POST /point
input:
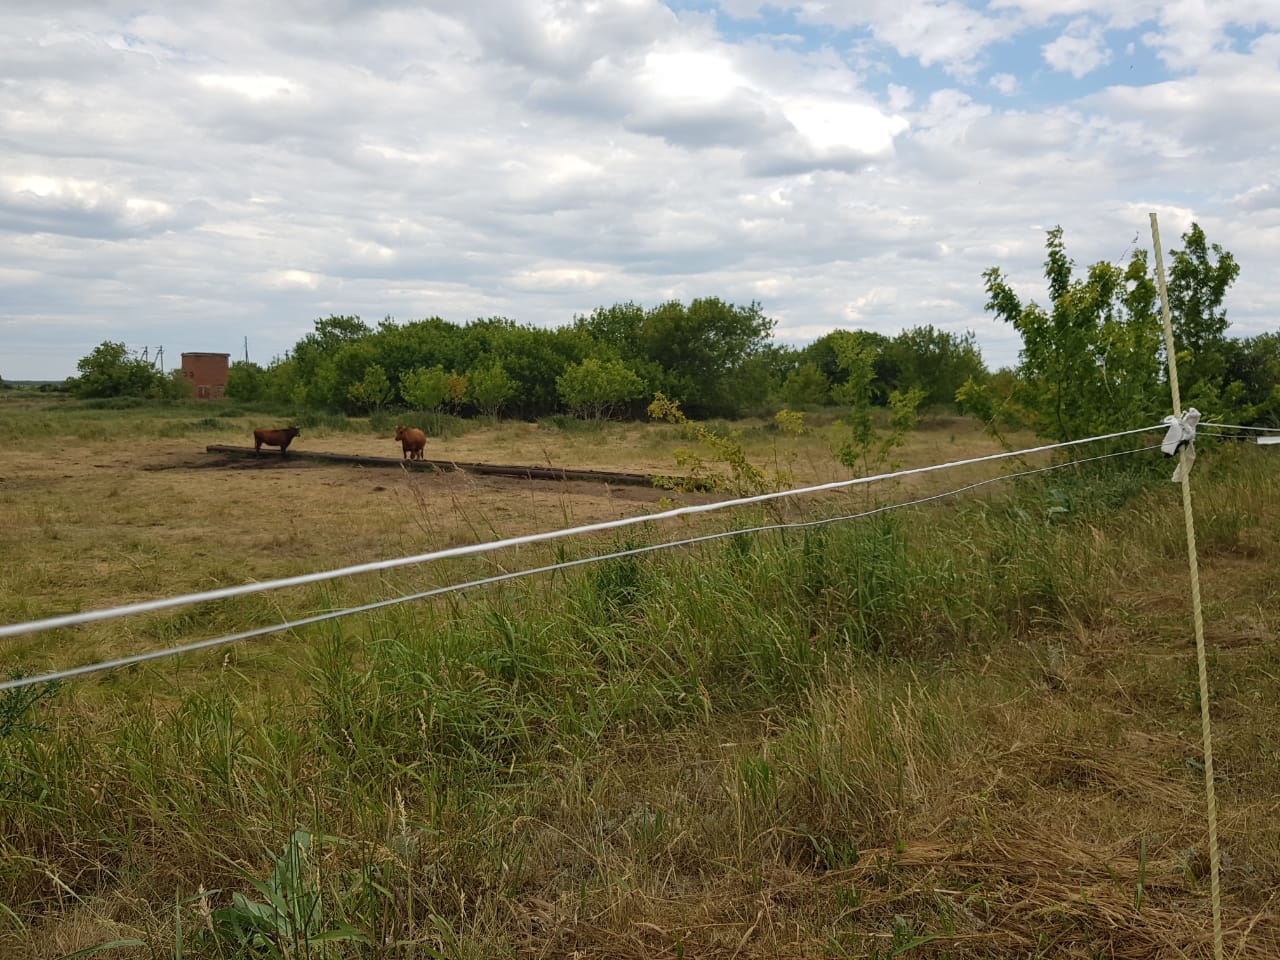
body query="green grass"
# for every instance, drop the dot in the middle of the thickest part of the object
(911, 733)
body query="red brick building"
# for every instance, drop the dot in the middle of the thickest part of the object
(207, 373)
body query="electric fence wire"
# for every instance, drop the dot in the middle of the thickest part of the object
(1239, 426)
(90, 616)
(60, 675)
(1225, 435)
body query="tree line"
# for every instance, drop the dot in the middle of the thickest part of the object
(1091, 359)
(717, 359)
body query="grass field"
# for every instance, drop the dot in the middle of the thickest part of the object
(966, 729)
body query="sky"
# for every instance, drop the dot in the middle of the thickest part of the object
(189, 176)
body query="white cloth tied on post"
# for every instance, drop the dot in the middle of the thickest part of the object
(1181, 433)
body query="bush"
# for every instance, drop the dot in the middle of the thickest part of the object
(806, 386)
(489, 388)
(246, 381)
(112, 371)
(594, 390)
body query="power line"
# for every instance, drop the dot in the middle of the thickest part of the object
(74, 619)
(518, 574)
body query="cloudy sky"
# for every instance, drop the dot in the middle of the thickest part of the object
(189, 175)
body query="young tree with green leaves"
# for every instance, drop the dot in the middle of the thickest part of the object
(594, 389)
(867, 449)
(373, 391)
(490, 387)
(428, 389)
(1091, 362)
(806, 386)
(1199, 276)
(425, 388)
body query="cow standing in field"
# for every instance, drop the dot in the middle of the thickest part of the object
(274, 438)
(411, 442)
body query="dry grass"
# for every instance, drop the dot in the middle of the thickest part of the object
(109, 510)
(656, 763)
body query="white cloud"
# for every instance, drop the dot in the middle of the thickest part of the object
(1005, 83)
(1189, 31)
(1078, 50)
(40, 203)
(1264, 196)
(1116, 16)
(858, 309)
(190, 174)
(950, 34)
(252, 87)
(285, 279)
(563, 278)
(832, 127)
(690, 76)
(945, 33)
(899, 98)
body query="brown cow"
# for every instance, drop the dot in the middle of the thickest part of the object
(411, 442)
(274, 438)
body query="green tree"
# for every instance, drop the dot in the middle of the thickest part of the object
(1253, 378)
(246, 381)
(700, 354)
(327, 367)
(702, 348)
(934, 361)
(283, 383)
(1089, 363)
(806, 386)
(825, 354)
(112, 371)
(856, 353)
(373, 391)
(425, 388)
(594, 389)
(1198, 278)
(534, 357)
(329, 335)
(618, 327)
(866, 448)
(857, 362)
(400, 348)
(429, 389)
(490, 387)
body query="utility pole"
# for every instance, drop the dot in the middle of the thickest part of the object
(246, 349)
